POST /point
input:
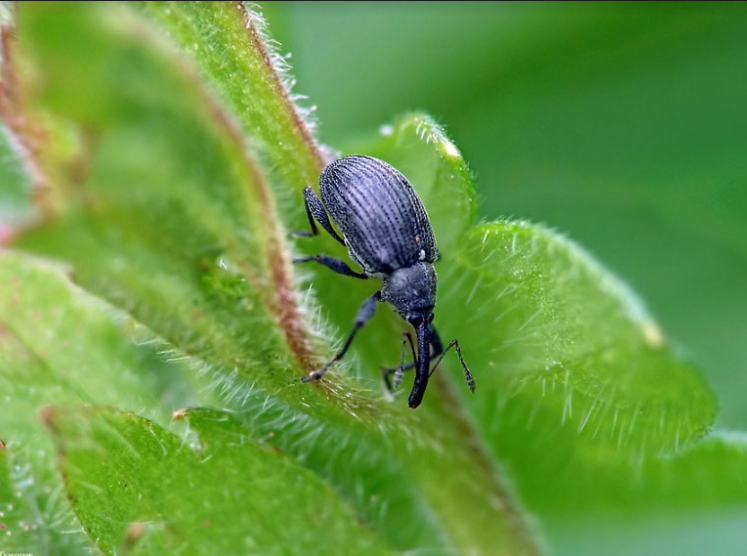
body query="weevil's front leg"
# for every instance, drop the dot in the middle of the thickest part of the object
(336, 265)
(316, 213)
(365, 314)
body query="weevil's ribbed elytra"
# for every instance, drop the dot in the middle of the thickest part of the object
(380, 214)
(387, 232)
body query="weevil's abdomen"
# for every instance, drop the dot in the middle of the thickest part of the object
(379, 213)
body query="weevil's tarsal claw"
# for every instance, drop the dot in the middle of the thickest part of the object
(313, 377)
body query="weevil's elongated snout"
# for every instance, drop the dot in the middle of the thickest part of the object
(423, 369)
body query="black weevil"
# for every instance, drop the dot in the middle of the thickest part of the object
(387, 232)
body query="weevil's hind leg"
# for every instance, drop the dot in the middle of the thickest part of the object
(467, 375)
(365, 314)
(336, 265)
(316, 213)
(399, 371)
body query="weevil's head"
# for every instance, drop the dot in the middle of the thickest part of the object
(412, 291)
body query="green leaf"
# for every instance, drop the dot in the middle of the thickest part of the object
(571, 360)
(59, 344)
(172, 219)
(138, 486)
(19, 529)
(562, 337)
(228, 43)
(178, 226)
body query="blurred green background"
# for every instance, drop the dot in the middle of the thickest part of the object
(623, 125)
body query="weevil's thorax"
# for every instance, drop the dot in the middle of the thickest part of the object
(411, 289)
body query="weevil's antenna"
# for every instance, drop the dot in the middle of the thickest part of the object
(467, 375)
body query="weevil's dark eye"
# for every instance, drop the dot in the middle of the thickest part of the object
(415, 319)
(430, 318)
